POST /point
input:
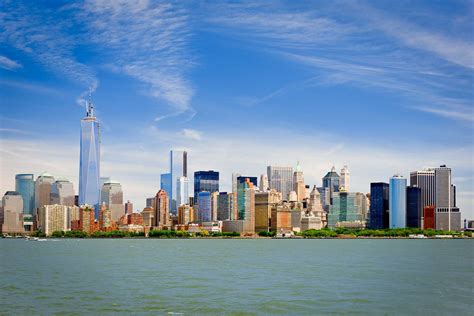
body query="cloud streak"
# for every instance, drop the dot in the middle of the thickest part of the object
(8, 64)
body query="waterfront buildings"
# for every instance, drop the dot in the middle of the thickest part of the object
(298, 183)
(448, 216)
(86, 222)
(425, 180)
(178, 168)
(203, 206)
(74, 215)
(112, 196)
(264, 184)
(62, 192)
(234, 182)
(281, 218)
(227, 206)
(344, 182)
(325, 197)
(246, 203)
(53, 218)
(165, 182)
(347, 210)
(281, 179)
(162, 212)
(429, 221)
(264, 202)
(25, 185)
(314, 217)
(11, 213)
(182, 191)
(414, 209)
(379, 195)
(331, 181)
(184, 214)
(397, 202)
(89, 165)
(205, 181)
(128, 207)
(43, 190)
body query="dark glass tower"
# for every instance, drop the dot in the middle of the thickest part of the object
(379, 193)
(331, 181)
(205, 181)
(414, 208)
(25, 185)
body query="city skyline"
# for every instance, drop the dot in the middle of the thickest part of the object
(290, 100)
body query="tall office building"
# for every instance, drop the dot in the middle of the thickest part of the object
(165, 182)
(397, 202)
(205, 181)
(182, 191)
(447, 214)
(204, 212)
(43, 190)
(281, 179)
(89, 166)
(112, 196)
(298, 183)
(331, 181)
(128, 208)
(62, 192)
(214, 205)
(25, 185)
(345, 179)
(379, 216)
(178, 168)
(227, 206)
(425, 180)
(11, 213)
(246, 202)
(263, 208)
(414, 209)
(325, 196)
(161, 209)
(264, 185)
(346, 210)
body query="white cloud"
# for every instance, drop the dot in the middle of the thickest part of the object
(8, 64)
(191, 134)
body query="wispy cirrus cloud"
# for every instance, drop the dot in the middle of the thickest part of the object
(354, 43)
(8, 64)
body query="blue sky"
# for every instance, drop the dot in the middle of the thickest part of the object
(382, 86)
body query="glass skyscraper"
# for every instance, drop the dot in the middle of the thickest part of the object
(204, 206)
(178, 168)
(346, 207)
(89, 167)
(414, 209)
(205, 181)
(165, 182)
(182, 194)
(378, 215)
(398, 201)
(25, 185)
(281, 179)
(331, 181)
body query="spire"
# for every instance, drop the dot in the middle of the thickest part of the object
(333, 169)
(298, 167)
(90, 106)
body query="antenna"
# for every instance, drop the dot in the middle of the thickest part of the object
(90, 106)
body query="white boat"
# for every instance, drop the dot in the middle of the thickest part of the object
(417, 236)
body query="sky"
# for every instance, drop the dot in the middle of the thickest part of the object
(385, 87)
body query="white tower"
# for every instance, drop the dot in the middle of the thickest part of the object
(345, 179)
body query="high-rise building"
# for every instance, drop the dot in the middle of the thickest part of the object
(227, 206)
(62, 192)
(414, 209)
(182, 191)
(331, 181)
(298, 183)
(205, 181)
(263, 208)
(397, 202)
(89, 166)
(281, 179)
(43, 190)
(325, 196)
(184, 214)
(346, 210)
(73, 214)
(214, 205)
(161, 208)
(11, 213)
(246, 202)
(204, 212)
(425, 180)
(53, 218)
(345, 179)
(25, 185)
(178, 168)
(264, 185)
(128, 208)
(448, 216)
(379, 216)
(112, 196)
(165, 182)
(87, 214)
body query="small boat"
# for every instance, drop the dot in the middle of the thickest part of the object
(417, 236)
(35, 238)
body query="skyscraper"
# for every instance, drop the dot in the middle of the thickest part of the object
(379, 194)
(264, 185)
(43, 190)
(264, 202)
(165, 182)
(346, 210)
(62, 192)
(281, 179)
(112, 196)
(425, 180)
(227, 206)
(298, 183)
(178, 168)
(204, 206)
(89, 166)
(246, 202)
(345, 179)
(128, 207)
(331, 181)
(161, 209)
(11, 213)
(182, 191)
(447, 215)
(25, 185)
(414, 209)
(234, 182)
(398, 201)
(205, 181)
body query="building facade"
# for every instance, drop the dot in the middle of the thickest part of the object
(112, 196)
(379, 214)
(178, 168)
(53, 218)
(204, 206)
(264, 202)
(344, 183)
(298, 183)
(227, 206)
(414, 208)
(397, 202)
(246, 202)
(182, 191)
(25, 185)
(346, 210)
(43, 190)
(281, 179)
(62, 192)
(205, 181)
(162, 212)
(331, 181)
